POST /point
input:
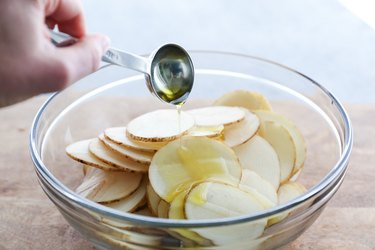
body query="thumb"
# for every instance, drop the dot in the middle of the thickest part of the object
(81, 58)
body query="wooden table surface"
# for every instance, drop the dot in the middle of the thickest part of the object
(28, 220)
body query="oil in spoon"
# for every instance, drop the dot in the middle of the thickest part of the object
(172, 72)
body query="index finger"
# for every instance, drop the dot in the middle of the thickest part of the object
(67, 14)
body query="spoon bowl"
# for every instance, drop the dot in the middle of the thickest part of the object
(171, 74)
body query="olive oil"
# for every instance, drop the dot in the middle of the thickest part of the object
(178, 107)
(199, 196)
(174, 96)
(170, 82)
(211, 166)
(200, 168)
(171, 87)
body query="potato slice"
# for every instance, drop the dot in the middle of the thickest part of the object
(177, 211)
(79, 151)
(133, 201)
(283, 144)
(259, 156)
(295, 176)
(239, 133)
(243, 98)
(157, 145)
(287, 192)
(118, 136)
(153, 200)
(208, 131)
(163, 209)
(213, 200)
(296, 135)
(160, 126)
(190, 238)
(145, 211)
(137, 156)
(98, 149)
(143, 203)
(85, 169)
(129, 241)
(181, 163)
(217, 115)
(104, 186)
(252, 180)
(140, 238)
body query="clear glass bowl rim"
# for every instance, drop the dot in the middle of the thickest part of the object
(338, 169)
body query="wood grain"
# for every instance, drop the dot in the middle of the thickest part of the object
(28, 220)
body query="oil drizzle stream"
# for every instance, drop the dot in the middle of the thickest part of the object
(178, 107)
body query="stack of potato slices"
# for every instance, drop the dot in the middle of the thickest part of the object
(236, 157)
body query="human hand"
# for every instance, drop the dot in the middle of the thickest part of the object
(29, 63)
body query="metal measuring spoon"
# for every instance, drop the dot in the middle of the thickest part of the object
(169, 70)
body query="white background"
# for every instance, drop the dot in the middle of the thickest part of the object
(319, 38)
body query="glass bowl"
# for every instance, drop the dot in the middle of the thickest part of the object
(112, 96)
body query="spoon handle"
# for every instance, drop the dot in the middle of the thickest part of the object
(125, 59)
(113, 56)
